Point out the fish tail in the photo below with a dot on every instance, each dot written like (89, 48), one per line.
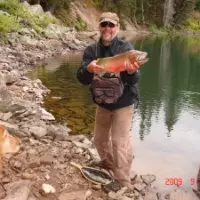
(76, 165)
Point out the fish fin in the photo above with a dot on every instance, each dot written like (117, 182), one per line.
(141, 62)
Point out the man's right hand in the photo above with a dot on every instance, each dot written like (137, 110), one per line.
(94, 68)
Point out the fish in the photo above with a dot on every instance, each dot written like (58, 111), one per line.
(119, 62)
(96, 176)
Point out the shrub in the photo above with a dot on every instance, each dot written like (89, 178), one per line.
(13, 7)
(193, 22)
(20, 16)
(8, 23)
(80, 25)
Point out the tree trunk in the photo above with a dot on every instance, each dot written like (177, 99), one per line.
(142, 9)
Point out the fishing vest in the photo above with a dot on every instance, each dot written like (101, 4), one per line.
(108, 88)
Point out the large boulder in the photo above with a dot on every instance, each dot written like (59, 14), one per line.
(54, 31)
(33, 9)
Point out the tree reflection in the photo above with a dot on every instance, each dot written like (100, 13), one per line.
(166, 79)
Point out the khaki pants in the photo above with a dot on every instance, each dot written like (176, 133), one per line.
(113, 142)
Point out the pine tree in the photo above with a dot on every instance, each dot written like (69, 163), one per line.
(197, 5)
(183, 9)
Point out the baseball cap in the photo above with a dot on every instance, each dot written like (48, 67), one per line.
(109, 17)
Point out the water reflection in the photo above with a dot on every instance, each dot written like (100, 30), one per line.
(69, 101)
(171, 72)
(167, 130)
(166, 125)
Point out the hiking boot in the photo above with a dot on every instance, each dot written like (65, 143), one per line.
(112, 186)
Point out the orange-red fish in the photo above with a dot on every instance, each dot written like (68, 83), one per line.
(119, 62)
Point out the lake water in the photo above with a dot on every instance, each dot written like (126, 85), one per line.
(166, 126)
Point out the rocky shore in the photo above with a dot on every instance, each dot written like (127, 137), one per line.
(41, 170)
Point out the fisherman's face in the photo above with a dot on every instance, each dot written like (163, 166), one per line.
(108, 31)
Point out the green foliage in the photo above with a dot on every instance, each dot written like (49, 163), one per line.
(52, 5)
(155, 29)
(8, 24)
(68, 20)
(13, 7)
(193, 22)
(183, 8)
(63, 4)
(150, 12)
(130, 8)
(98, 4)
(105, 5)
(19, 16)
(122, 7)
(80, 24)
(197, 7)
(58, 4)
(64, 16)
(192, 25)
(153, 11)
(37, 22)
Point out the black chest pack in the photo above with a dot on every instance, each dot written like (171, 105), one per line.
(108, 88)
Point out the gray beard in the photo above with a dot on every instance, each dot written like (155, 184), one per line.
(108, 40)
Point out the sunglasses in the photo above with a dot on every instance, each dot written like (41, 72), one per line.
(109, 24)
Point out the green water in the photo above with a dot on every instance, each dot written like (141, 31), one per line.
(69, 101)
(166, 126)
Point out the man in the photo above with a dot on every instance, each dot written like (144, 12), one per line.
(113, 120)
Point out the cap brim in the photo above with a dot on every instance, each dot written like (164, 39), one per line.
(108, 20)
